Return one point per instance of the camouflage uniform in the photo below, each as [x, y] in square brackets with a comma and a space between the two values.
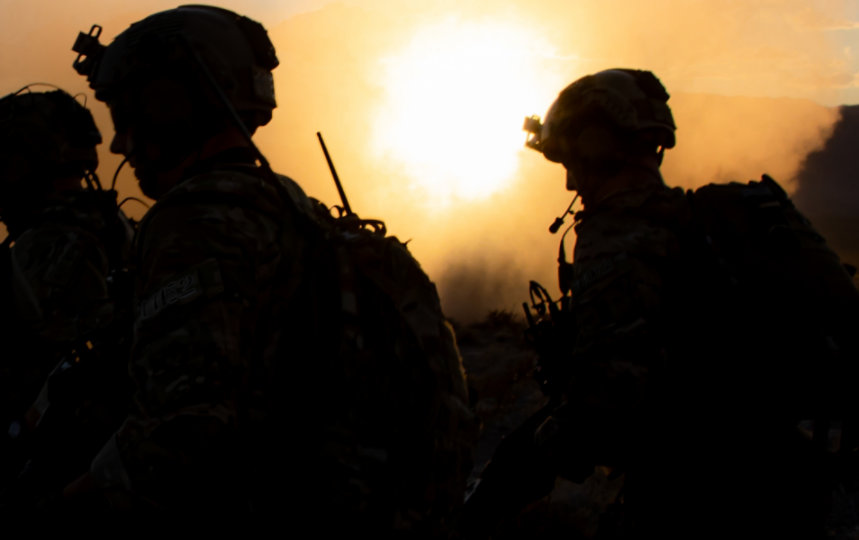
[247, 404]
[691, 378]
[60, 270]
[696, 333]
[618, 290]
[63, 302]
[210, 253]
[69, 309]
[255, 394]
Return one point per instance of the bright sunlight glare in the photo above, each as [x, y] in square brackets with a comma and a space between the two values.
[456, 98]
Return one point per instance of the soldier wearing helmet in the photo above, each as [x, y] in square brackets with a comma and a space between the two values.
[49, 146]
[678, 357]
[187, 88]
[241, 405]
[605, 126]
[63, 301]
[182, 85]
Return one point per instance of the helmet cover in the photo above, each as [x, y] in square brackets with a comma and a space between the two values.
[631, 100]
[46, 134]
[234, 50]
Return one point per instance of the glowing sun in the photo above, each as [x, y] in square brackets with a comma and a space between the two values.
[455, 99]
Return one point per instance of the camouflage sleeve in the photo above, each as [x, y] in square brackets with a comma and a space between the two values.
[619, 297]
[59, 276]
[206, 260]
[59, 297]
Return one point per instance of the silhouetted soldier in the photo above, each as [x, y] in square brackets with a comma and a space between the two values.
[247, 406]
[64, 340]
[701, 341]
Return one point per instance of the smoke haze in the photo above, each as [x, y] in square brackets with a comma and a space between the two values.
[754, 85]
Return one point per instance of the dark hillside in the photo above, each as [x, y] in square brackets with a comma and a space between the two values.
[828, 192]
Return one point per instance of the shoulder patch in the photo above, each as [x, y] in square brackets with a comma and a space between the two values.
[203, 280]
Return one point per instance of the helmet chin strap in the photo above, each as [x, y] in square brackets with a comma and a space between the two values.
[231, 111]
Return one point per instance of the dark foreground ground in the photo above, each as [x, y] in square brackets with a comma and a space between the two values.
[499, 364]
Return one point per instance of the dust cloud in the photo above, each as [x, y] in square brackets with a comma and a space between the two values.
[482, 253]
[754, 88]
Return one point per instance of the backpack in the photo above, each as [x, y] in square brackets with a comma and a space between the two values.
[793, 293]
[394, 372]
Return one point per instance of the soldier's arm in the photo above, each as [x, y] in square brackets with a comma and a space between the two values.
[203, 268]
[59, 275]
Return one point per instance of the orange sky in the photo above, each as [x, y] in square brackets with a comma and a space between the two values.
[421, 105]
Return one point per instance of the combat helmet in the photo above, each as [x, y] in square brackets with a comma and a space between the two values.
[45, 136]
[217, 50]
[632, 100]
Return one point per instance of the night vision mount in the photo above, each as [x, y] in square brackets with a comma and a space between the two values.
[89, 50]
[534, 127]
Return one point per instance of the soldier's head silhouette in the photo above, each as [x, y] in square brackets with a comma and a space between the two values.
[177, 79]
[47, 144]
[602, 124]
